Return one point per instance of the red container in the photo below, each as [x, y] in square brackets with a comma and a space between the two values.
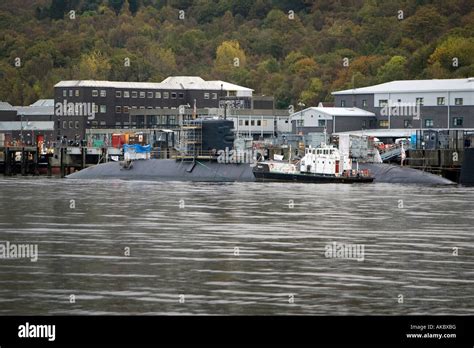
[118, 140]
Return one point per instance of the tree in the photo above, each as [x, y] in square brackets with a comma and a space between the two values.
[116, 5]
[229, 56]
[93, 66]
[393, 70]
[453, 53]
[312, 95]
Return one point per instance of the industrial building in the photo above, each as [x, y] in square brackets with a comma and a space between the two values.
[28, 125]
[443, 103]
[331, 119]
[122, 105]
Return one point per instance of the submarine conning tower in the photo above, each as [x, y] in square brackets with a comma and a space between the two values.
[205, 137]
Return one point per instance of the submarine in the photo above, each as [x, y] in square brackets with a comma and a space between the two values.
[217, 134]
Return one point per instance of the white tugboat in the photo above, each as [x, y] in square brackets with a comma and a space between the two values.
[324, 164]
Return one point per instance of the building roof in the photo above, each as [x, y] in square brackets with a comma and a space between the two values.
[30, 125]
[34, 110]
[43, 102]
[405, 86]
[382, 133]
[172, 82]
[5, 106]
[336, 111]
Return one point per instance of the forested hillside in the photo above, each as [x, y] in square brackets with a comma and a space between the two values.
[299, 51]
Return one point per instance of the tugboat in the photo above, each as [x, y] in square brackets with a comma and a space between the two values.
[324, 164]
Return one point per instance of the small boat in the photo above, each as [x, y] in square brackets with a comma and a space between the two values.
[324, 164]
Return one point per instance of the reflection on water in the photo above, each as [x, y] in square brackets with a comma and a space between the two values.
[236, 248]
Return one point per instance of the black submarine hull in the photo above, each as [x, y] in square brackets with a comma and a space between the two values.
[212, 171]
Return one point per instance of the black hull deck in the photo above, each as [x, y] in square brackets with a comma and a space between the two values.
[311, 178]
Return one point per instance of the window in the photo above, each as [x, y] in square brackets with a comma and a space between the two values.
[150, 94]
[64, 124]
[96, 108]
[70, 92]
[383, 102]
[103, 109]
[364, 124]
[102, 123]
[252, 122]
[419, 101]
[383, 123]
[206, 95]
[343, 103]
[458, 101]
[364, 102]
[173, 95]
[126, 94]
[118, 109]
[134, 94]
[440, 100]
[142, 94]
[125, 109]
[299, 123]
[76, 124]
[118, 94]
[64, 93]
[71, 124]
[94, 124]
[103, 93]
[166, 95]
[76, 92]
[241, 122]
[181, 95]
[158, 95]
[429, 123]
[457, 121]
[142, 108]
[214, 95]
[95, 93]
[321, 123]
[407, 123]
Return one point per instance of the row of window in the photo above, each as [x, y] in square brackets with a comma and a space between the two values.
[419, 101]
[428, 122]
[126, 109]
[137, 94]
[253, 123]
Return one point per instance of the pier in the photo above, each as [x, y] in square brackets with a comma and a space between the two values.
[22, 160]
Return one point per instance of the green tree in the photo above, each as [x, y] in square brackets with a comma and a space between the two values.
[393, 70]
[229, 56]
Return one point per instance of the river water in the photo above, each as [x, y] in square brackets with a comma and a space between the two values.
[121, 247]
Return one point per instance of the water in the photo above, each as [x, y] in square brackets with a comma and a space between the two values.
[281, 232]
